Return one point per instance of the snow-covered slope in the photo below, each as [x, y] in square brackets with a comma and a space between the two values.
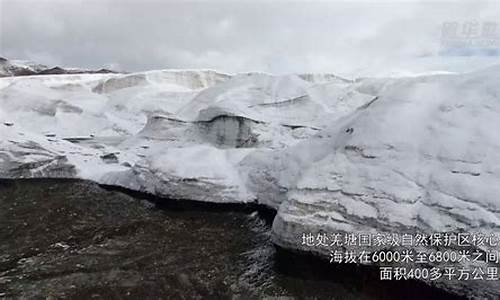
[329, 154]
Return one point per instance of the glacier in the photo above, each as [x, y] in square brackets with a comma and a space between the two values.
[329, 154]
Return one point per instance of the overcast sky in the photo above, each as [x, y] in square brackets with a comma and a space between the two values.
[271, 36]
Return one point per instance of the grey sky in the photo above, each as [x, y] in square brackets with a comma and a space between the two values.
[272, 36]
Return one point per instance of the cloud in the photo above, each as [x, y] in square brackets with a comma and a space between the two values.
[278, 37]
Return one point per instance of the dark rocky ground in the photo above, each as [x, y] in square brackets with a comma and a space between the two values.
[76, 240]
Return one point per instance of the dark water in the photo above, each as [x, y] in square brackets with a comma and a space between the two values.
[74, 239]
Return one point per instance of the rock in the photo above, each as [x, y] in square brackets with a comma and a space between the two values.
[110, 158]
[184, 280]
[61, 245]
[78, 139]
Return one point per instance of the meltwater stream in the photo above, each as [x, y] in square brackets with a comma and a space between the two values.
[77, 240]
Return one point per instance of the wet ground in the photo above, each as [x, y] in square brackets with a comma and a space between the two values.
[77, 240]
